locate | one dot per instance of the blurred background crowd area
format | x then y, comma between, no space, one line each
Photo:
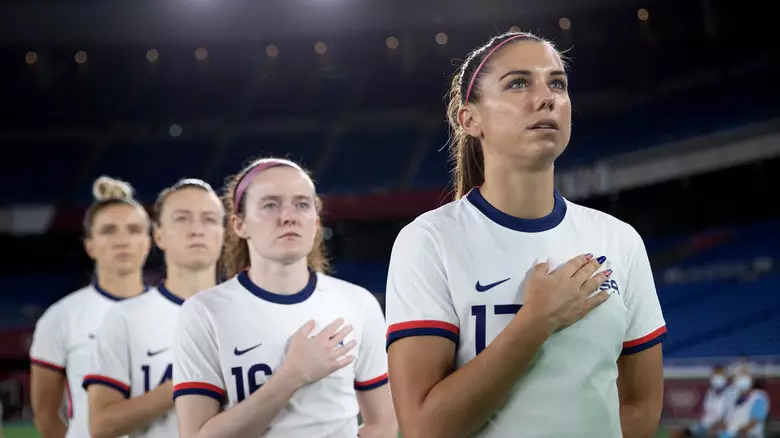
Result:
676,130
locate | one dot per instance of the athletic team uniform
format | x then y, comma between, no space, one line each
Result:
458,272
64,340
230,339
134,352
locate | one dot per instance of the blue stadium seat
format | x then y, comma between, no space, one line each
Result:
364,160
304,148
149,166
41,171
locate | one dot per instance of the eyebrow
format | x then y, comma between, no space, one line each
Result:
528,73
278,198
190,212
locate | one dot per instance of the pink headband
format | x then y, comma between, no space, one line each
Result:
260,166
476,72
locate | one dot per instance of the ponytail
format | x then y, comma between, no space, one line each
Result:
465,151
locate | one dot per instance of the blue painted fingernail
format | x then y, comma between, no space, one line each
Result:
601,259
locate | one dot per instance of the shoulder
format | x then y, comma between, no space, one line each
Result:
221,296
348,291
78,299
137,304
605,222
433,227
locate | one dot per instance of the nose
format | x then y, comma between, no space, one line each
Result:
544,100
288,215
197,228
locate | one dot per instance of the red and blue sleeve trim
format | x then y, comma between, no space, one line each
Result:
96,379
374,383
422,328
47,364
199,388
655,337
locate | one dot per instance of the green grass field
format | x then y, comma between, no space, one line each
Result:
27,431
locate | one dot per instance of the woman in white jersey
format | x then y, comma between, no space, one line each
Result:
748,409
511,310
130,387
116,229
280,349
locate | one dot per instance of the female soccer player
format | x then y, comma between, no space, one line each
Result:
116,229
281,345
130,388
483,338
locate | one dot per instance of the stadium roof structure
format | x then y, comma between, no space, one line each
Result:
117,21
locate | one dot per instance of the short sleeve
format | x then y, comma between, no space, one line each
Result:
646,325
418,298
371,364
760,409
111,357
48,347
196,366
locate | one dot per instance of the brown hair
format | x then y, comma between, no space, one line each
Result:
466,151
108,191
235,252
181,184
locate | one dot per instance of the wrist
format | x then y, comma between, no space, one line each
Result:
544,324
291,375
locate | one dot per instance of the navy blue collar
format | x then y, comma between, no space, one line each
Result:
295,298
109,295
169,295
546,223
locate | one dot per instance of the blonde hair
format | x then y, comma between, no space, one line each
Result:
106,188
235,252
108,191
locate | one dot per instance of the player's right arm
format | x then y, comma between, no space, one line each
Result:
199,389
430,399
111,412
47,374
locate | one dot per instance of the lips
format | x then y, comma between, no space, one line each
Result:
289,234
544,124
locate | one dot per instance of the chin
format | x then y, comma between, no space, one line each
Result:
198,265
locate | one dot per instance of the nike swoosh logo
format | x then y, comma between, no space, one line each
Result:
151,353
487,287
238,352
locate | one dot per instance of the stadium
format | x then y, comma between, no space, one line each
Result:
676,131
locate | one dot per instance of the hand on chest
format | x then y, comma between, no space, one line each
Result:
251,350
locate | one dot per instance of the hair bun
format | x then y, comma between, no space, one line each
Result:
106,188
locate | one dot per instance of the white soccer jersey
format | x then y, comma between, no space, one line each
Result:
715,406
753,406
230,339
64,341
457,272
134,353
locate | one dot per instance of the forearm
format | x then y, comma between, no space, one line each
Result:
463,401
639,420
50,425
387,429
125,416
251,417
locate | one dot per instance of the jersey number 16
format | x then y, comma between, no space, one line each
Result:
238,376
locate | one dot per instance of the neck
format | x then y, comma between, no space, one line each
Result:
185,283
124,286
522,193
278,278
